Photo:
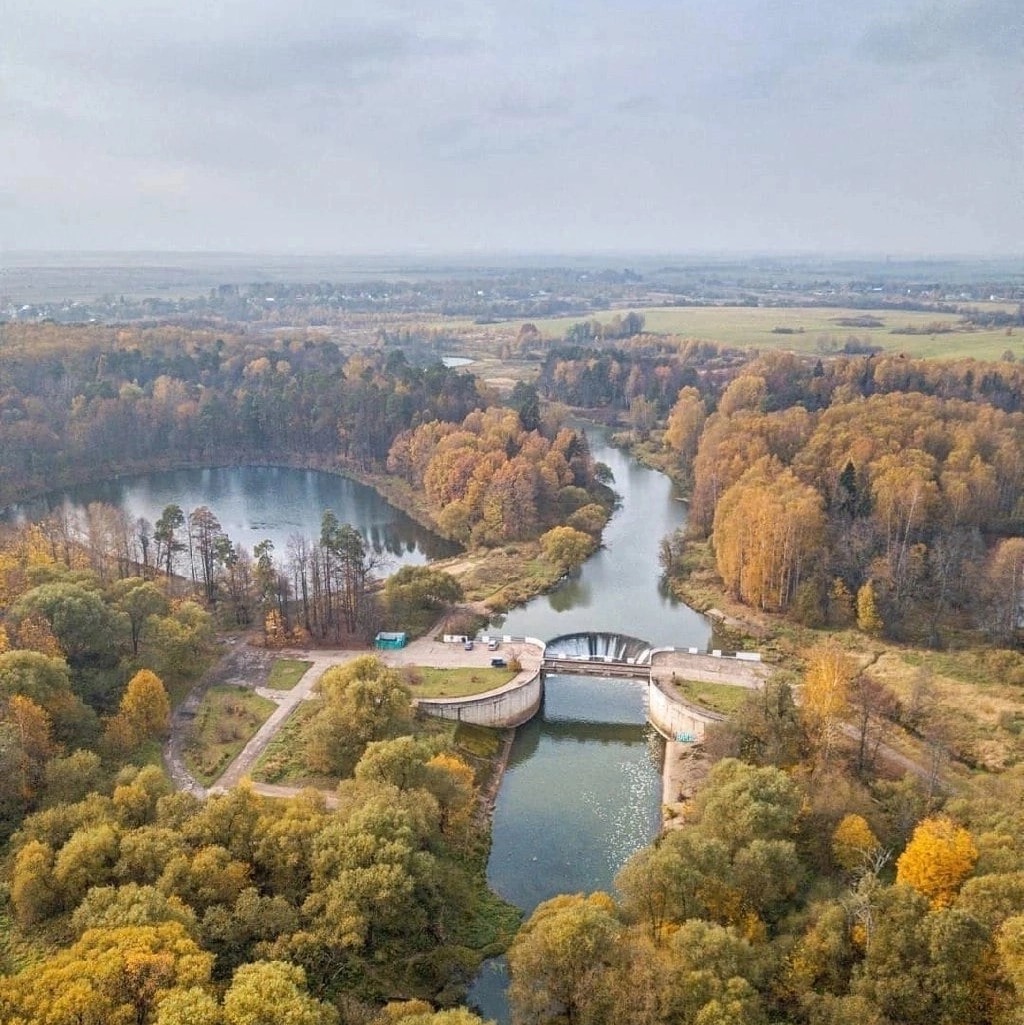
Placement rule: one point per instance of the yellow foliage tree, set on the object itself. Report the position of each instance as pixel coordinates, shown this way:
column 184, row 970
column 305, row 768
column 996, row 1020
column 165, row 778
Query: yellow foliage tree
column 115, row 976
column 853, row 842
column 35, row 634
column 868, row 618
column 145, row 704
column 825, row 694
column 939, row 857
column 767, row 526
column 454, row 787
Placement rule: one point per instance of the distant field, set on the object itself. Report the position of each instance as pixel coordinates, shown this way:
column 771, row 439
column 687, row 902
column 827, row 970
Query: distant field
column 813, row 329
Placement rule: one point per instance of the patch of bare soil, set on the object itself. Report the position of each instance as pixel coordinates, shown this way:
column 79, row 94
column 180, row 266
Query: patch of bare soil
column 686, row 767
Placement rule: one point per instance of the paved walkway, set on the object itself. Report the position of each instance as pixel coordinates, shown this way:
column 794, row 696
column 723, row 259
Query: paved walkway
column 422, row 652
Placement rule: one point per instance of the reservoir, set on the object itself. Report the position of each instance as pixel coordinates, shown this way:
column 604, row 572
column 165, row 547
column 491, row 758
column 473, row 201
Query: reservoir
column 253, row 503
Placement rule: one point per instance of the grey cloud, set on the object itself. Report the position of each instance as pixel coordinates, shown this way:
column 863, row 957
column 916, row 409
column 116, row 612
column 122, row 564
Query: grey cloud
column 990, row 30
column 390, row 122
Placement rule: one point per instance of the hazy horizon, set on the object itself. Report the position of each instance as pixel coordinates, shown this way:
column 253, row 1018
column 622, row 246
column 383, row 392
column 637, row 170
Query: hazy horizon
column 499, row 127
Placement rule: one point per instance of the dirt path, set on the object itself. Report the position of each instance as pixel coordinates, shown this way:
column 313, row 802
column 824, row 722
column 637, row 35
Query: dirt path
column 241, row 665
column 423, row 652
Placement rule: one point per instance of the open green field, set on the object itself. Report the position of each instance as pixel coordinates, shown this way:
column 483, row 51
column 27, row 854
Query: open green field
column 227, row 718
column 719, row 697
column 815, row 330
column 286, row 672
column 426, row 682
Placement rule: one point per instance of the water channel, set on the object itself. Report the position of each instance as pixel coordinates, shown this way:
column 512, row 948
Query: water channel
column 583, row 786
column 582, row 791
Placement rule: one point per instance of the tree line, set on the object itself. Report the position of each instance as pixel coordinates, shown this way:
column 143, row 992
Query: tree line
column 83, row 403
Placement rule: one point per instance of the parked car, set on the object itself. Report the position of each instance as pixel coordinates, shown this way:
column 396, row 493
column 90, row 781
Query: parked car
column 492, row 644
column 498, row 663
column 468, row 645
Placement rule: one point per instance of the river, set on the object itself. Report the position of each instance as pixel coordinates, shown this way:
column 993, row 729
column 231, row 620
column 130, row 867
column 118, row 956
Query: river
column 618, row 590
column 582, row 791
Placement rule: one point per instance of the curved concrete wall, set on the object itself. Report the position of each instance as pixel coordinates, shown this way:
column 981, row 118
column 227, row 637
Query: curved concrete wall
column 510, row 707
column 674, row 720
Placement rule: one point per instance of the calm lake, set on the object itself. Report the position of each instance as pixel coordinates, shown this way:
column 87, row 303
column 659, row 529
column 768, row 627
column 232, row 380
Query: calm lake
column 258, row 502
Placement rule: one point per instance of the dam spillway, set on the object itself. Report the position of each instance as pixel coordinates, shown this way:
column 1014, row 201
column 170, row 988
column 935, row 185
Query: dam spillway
column 600, row 646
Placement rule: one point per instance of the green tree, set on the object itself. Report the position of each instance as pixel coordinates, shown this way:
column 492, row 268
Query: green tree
column 558, row 960
column 416, row 596
column 925, row 966
column 167, row 535
column 566, row 547
column 364, row 700
column 349, row 569
column 740, row 803
column 85, row 627
column 139, row 599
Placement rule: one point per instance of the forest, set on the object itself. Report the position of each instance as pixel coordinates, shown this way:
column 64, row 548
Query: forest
column 814, row 878
column 867, row 489
column 125, row 900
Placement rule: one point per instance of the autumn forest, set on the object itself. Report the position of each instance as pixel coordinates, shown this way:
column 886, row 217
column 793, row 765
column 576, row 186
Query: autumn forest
column 852, row 852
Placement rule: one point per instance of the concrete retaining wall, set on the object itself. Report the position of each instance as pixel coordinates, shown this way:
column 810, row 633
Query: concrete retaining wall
column 503, row 708
column 674, row 720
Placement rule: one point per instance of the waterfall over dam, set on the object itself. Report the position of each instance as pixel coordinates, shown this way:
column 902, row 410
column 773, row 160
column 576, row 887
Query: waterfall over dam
column 619, row 647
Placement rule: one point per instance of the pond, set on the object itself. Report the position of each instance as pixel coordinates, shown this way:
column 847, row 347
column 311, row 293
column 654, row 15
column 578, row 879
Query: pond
column 254, row 503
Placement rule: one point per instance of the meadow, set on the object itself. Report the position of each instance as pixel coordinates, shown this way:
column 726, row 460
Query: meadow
column 817, row 329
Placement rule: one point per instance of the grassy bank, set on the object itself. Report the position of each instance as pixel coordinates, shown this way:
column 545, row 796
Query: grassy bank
column 718, row 697
column 427, row 682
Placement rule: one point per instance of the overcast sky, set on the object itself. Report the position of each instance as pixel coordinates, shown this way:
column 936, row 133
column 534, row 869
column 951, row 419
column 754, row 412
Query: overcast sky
column 351, row 126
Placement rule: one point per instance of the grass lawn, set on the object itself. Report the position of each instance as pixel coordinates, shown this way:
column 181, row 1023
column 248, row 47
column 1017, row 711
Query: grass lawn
column 719, row 697
column 454, row 683
column 227, row 718
column 286, row 672
column 976, row 694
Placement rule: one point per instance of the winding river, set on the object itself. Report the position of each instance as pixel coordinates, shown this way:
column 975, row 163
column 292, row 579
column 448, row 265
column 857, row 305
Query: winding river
column 582, row 791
